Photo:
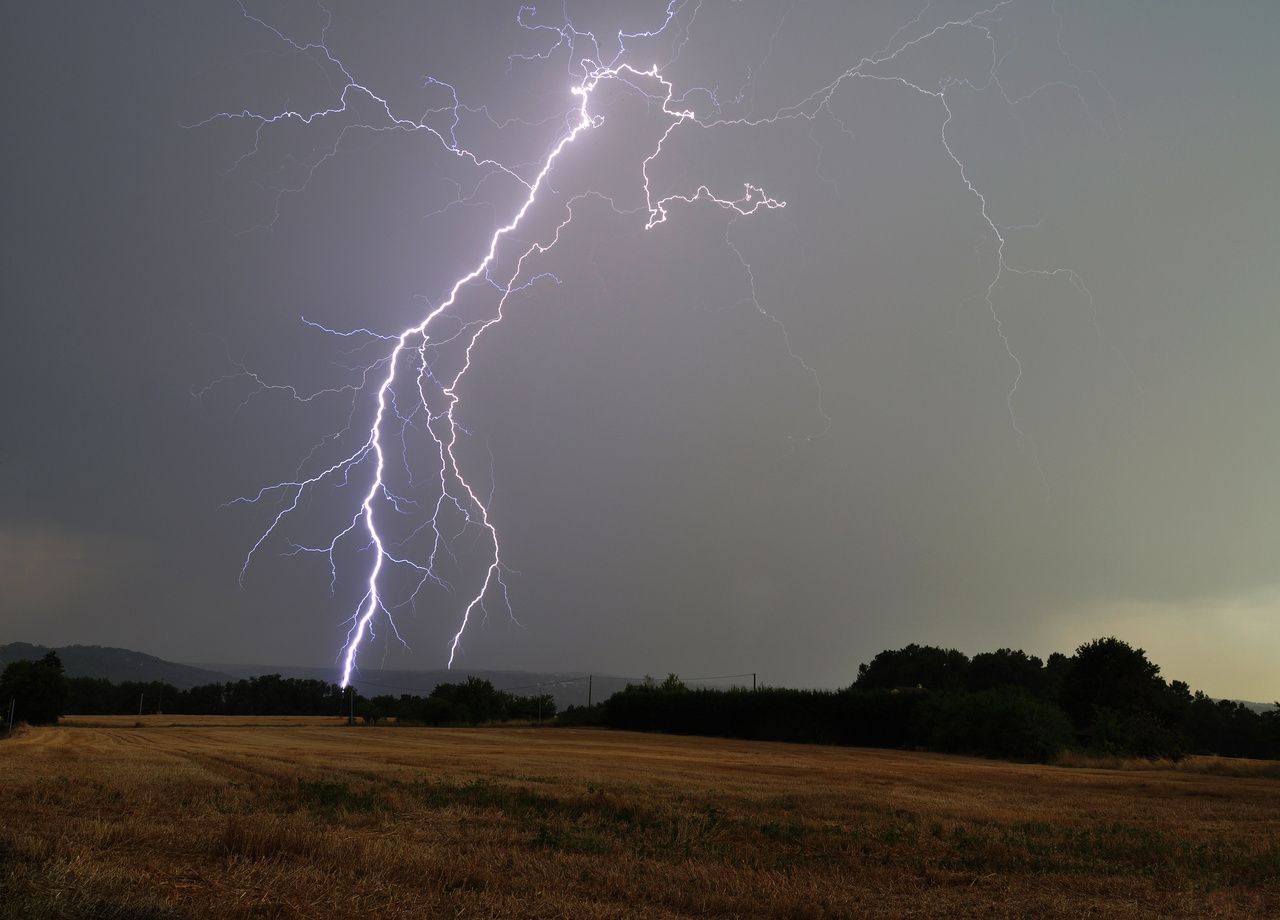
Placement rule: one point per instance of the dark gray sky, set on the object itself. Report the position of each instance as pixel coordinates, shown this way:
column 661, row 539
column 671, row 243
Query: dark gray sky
column 662, row 476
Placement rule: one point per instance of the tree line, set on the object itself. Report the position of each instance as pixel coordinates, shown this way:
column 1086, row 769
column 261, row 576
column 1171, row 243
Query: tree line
column 1107, row 698
column 42, row 693
column 472, row 702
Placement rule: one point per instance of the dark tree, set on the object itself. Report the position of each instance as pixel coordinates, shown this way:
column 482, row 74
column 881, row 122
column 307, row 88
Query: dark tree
column 38, row 688
column 539, row 707
column 435, row 710
column 1119, row 703
column 1002, row 722
column 924, row 666
column 1110, row 674
column 672, row 684
column 370, row 711
column 476, row 700
column 1056, row 670
column 1006, row 668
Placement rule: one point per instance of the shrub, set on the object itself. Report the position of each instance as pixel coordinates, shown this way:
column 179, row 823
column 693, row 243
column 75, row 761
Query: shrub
column 1008, row 723
column 434, row 710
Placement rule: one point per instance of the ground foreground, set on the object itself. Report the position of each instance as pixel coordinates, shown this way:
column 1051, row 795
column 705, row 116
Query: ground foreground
column 189, row 817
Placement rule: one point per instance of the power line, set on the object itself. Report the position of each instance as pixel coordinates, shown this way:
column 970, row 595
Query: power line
column 696, row 680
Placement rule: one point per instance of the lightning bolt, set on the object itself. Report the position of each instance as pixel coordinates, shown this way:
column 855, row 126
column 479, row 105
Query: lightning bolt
column 413, row 362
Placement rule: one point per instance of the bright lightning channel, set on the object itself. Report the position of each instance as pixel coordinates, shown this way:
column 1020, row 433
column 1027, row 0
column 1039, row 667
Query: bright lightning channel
column 417, row 338
column 412, row 345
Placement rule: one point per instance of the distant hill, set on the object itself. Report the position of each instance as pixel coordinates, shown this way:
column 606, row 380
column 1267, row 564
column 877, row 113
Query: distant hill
column 115, row 664
column 1256, row 707
column 121, row 664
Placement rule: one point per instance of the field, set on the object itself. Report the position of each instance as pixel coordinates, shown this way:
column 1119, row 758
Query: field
column 171, row 817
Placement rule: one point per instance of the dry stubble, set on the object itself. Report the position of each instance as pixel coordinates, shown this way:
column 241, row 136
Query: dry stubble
column 192, row 817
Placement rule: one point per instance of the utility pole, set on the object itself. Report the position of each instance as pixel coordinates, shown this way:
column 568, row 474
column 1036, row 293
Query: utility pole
column 589, row 679
column 12, row 703
column 140, row 696
column 351, row 716
column 753, row 681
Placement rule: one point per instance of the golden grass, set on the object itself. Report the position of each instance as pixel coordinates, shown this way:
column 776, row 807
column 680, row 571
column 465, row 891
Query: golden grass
column 1215, row 766
column 306, row 818
column 151, row 720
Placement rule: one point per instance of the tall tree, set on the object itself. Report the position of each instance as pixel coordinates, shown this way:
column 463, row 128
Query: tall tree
column 925, row 666
column 1110, row 674
column 38, row 690
column 1006, row 668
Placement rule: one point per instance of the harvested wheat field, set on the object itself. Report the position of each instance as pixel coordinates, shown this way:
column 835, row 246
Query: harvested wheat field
column 170, row 817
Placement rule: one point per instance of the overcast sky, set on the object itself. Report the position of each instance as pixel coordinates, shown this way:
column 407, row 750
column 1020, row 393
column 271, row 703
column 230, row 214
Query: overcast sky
column 673, row 490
